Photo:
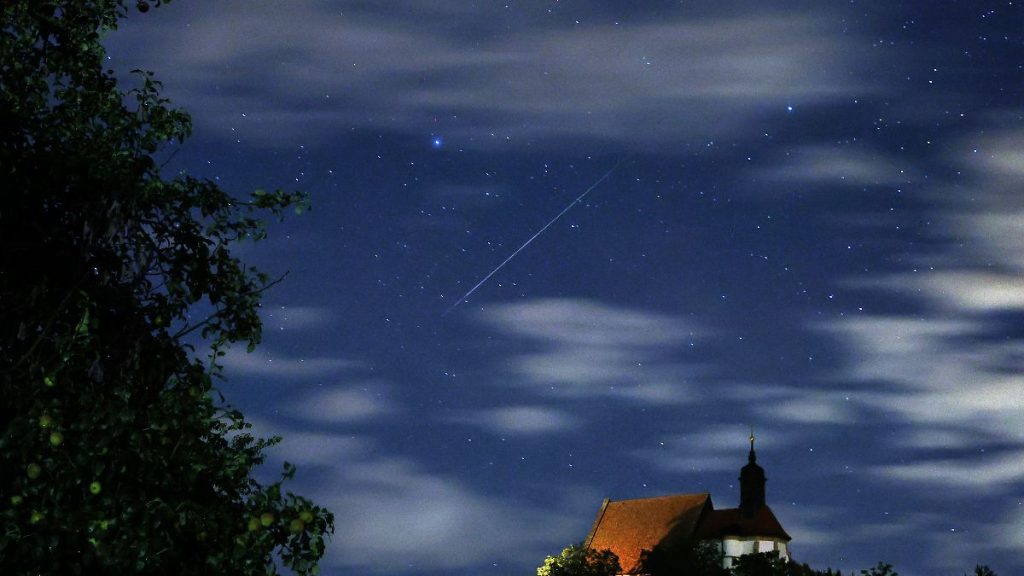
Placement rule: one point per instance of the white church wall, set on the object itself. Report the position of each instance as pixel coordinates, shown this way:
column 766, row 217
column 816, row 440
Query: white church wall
column 733, row 548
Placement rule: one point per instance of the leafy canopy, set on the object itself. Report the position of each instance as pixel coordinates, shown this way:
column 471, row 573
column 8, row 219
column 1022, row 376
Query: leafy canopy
column 117, row 454
column 770, row 564
column 880, row 569
column 577, row 560
column 688, row 556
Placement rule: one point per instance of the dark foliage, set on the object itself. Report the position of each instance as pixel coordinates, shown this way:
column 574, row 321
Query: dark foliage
column 769, row 564
column 881, row 569
column 577, row 560
column 689, row 557
column 698, row 558
column 117, row 454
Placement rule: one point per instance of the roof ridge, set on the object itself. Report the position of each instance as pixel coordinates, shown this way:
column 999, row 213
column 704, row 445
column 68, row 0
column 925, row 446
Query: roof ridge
column 694, row 494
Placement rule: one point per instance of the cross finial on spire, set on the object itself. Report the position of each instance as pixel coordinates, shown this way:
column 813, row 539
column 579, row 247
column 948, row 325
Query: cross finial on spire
column 752, row 455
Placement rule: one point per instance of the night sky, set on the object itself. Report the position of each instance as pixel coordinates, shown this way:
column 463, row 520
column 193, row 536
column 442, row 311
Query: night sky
column 814, row 226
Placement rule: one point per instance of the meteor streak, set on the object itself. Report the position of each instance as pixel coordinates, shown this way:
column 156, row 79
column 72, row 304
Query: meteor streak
column 534, row 237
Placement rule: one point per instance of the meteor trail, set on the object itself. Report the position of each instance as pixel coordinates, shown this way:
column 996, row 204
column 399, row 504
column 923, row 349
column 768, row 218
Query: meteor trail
column 534, row 237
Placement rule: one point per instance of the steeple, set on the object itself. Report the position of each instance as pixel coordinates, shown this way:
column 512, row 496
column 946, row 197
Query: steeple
column 752, row 480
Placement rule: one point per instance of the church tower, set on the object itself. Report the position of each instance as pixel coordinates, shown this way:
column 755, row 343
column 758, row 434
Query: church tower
column 632, row 529
column 752, row 480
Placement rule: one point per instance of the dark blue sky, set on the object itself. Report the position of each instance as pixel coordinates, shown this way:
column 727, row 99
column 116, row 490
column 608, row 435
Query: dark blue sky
column 817, row 228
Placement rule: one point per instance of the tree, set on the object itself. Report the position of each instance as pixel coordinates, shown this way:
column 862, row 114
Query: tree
column 881, row 569
column 770, row 564
column 762, row 564
column 981, row 570
column 578, row 560
column 690, row 556
column 118, row 455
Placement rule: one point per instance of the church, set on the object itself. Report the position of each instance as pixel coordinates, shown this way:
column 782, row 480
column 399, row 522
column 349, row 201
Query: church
column 629, row 527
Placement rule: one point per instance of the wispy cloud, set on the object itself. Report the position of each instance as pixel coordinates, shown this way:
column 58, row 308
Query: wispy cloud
column 295, row 317
column 1000, row 153
column 960, row 291
column 592, row 349
column 812, row 408
column 314, row 448
column 840, row 167
column 394, row 516
column 267, row 364
column 939, row 372
column 938, row 437
column 527, row 81
column 576, row 322
column 948, row 373
column 709, row 448
column 966, row 474
column 522, row 420
column 398, row 517
column 344, row 404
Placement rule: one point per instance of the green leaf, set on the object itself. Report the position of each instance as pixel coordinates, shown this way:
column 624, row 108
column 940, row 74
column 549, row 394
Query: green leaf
column 99, row 245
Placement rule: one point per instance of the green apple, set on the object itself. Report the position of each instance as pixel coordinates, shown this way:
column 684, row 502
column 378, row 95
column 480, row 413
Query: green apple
column 16, row 500
column 45, row 421
column 56, row 438
column 48, row 380
column 95, row 488
column 254, row 524
column 267, row 518
column 306, row 516
column 33, row 471
column 296, row 526
column 36, row 517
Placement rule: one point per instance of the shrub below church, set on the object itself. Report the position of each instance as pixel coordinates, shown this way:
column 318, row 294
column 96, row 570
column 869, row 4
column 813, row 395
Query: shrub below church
column 579, row 561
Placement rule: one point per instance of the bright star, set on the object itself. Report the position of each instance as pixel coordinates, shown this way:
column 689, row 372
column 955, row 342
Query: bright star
column 436, row 142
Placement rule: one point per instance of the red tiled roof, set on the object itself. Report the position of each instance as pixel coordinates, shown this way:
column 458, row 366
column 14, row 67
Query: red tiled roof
column 730, row 522
column 628, row 527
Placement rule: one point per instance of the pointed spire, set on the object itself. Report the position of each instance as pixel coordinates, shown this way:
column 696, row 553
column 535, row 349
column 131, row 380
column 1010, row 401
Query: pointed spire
column 752, row 480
